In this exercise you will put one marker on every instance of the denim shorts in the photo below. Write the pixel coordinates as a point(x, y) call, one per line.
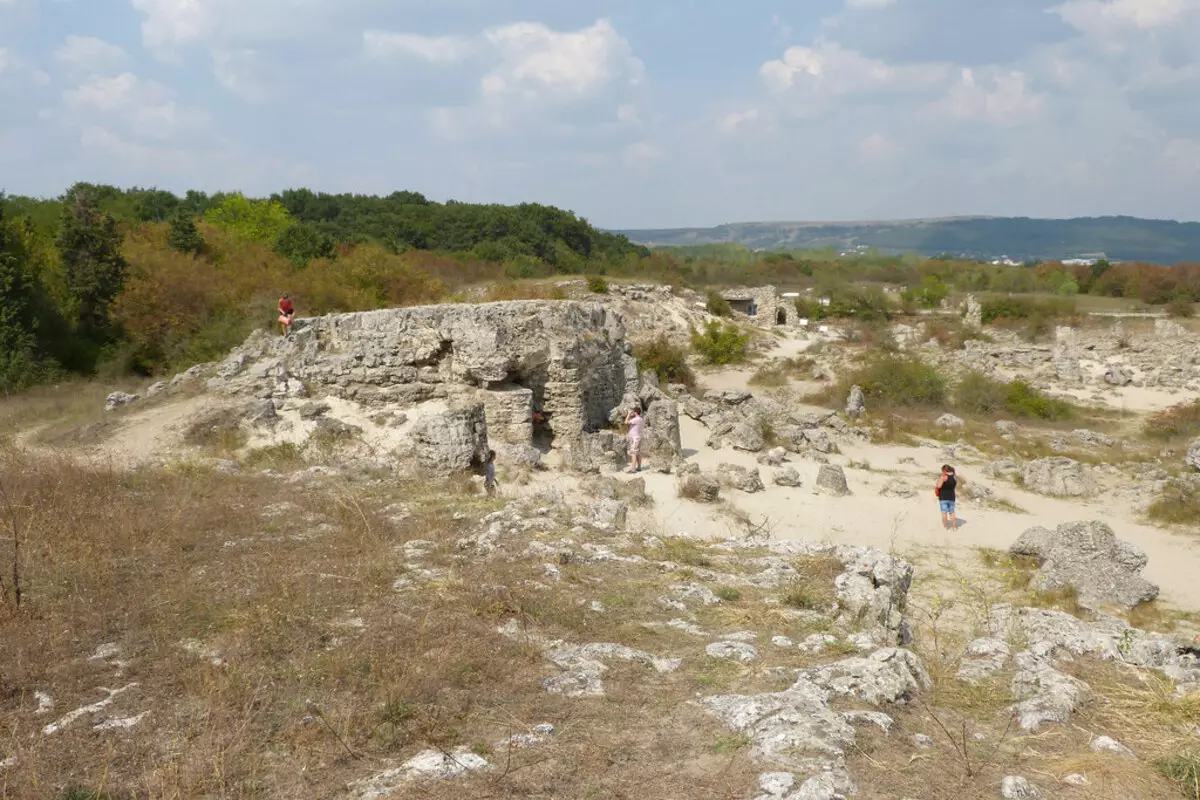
point(947, 506)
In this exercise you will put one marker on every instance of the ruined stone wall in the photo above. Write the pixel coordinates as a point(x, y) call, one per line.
point(771, 308)
point(568, 360)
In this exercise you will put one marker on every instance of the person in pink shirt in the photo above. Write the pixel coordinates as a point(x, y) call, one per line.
point(637, 426)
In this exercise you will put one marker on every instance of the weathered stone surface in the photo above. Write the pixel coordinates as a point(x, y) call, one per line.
point(950, 421)
point(745, 435)
point(819, 440)
point(773, 457)
point(1045, 694)
point(1116, 374)
point(1008, 427)
point(873, 590)
point(898, 488)
point(1004, 468)
point(118, 399)
point(1059, 477)
point(699, 486)
point(983, 658)
point(1192, 459)
point(891, 675)
point(973, 314)
point(856, 403)
point(732, 651)
point(570, 357)
point(1107, 744)
point(1088, 557)
point(787, 476)
point(736, 477)
point(1092, 438)
point(453, 441)
point(1015, 787)
point(661, 440)
point(427, 765)
point(832, 480)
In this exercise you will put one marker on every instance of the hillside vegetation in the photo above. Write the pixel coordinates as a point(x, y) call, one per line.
point(111, 281)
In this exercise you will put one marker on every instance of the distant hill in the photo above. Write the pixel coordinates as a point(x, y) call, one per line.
point(1020, 238)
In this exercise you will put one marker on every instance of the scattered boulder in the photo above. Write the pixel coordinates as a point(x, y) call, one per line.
point(1118, 375)
point(950, 421)
point(732, 651)
point(1045, 694)
point(746, 436)
point(118, 400)
point(1014, 787)
point(819, 440)
point(740, 478)
point(1107, 744)
point(1004, 468)
point(1088, 557)
point(1169, 329)
point(1007, 427)
point(1059, 477)
point(983, 658)
point(773, 457)
point(699, 486)
point(898, 488)
point(451, 441)
point(856, 403)
point(891, 675)
point(156, 389)
point(1192, 459)
point(787, 476)
point(1092, 438)
point(832, 480)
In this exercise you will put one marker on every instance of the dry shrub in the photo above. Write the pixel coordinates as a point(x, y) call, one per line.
point(523, 290)
point(1181, 421)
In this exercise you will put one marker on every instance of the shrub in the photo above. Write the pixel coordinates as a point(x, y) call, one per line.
point(776, 373)
point(900, 382)
point(720, 343)
point(1183, 768)
point(929, 294)
point(718, 306)
point(666, 360)
point(809, 309)
point(1178, 421)
point(1023, 400)
point(1010, 309)
point(859, 302)
point(596, 284)
point(976, 393)
point(1181, 307)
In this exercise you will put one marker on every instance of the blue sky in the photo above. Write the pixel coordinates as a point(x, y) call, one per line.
point(633, 114)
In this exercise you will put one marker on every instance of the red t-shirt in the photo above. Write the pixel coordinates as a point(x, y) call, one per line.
point(285, 305)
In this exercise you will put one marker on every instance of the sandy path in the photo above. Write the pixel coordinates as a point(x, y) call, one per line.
point(912, 526)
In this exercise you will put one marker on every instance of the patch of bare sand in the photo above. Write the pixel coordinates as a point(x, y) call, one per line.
point(910, 525)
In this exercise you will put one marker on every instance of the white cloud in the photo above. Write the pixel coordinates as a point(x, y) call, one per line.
point(830, 69)
point(16, 71)
point(868, 4)
point(87, 55)
point(1004, 97)
point(173, 23)
point(628, 115)
point(433, 49)
point(540, 63)
point(642, 153)
point(145, 108)
point(731, 123)
point(1104, 17)
point(877, 147)
point(245, 73)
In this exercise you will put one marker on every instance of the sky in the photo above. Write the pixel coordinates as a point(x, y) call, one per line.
point(632, 113)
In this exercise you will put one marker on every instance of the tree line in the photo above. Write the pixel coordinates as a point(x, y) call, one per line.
point(114, 281)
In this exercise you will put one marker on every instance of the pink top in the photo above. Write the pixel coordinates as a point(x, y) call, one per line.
point(636, 426)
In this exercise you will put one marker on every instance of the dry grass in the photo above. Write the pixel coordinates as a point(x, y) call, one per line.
point(777, 373)
point(327, 674)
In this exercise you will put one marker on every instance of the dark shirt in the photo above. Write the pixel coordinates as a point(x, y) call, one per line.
point(946, 492)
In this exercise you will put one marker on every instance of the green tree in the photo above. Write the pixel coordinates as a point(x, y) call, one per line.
point(184, 236)
point(18, 323)
point(253, 220)
point(302, 242)
point(89, 247)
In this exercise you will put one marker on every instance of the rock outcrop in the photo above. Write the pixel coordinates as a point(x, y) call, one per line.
point(1088, 557)
point(1059, 477)
point(832, 480)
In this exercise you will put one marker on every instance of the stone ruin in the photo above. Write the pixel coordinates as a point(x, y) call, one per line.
point(763, 305)
point(460, 378)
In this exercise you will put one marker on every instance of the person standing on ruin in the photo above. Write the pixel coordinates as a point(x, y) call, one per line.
point(944, 490)
point(287, 311)
point(637, 426)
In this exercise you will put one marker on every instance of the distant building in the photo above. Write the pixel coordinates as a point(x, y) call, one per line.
point(763, 305)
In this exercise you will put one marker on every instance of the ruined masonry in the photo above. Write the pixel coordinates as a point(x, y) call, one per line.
point(545, 373)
